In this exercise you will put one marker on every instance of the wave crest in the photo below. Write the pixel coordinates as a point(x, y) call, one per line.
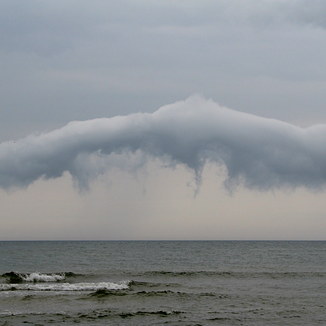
point(36, 277)
point(66, 286)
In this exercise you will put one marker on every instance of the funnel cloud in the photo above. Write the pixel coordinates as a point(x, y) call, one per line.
point(256, 152)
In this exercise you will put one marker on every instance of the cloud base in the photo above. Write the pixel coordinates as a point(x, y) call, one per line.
point(256, 152)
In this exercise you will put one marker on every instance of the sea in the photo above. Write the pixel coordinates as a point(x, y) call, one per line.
point(162, 283)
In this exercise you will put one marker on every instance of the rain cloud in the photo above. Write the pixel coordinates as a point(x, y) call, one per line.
point(257, 152)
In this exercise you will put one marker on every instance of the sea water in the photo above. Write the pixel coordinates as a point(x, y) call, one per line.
point(163, 283)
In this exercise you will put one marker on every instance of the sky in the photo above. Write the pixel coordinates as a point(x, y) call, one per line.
point(163, 119)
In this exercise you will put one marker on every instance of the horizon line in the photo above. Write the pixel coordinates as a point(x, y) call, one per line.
point(162, 240)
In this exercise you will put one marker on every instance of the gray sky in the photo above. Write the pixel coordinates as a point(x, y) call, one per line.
point(62, 61)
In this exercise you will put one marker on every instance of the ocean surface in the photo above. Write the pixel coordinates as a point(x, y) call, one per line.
point(163, 283)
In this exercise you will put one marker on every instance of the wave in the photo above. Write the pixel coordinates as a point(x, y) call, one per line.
point(188, 273)
point(152, 284)
point(66, 286)
point(106, 293)
point(101, 293)
point(229, 274)
point(93, 315)
point(166, 278)
point(161, 313)
point(35, 277)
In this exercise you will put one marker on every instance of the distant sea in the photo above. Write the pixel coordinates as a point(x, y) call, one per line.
point(163, 283)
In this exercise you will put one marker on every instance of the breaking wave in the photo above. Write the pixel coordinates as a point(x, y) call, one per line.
point(35, 277)
point(66, 286)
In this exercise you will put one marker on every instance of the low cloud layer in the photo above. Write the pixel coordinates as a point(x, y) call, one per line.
point(256, 152)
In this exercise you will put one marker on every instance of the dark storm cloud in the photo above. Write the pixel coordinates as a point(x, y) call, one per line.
point(257, 152)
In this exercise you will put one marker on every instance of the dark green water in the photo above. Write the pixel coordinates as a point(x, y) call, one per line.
point(163, 283)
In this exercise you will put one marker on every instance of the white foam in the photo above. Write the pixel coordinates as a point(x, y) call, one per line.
point(67, 286)
point(38, 277)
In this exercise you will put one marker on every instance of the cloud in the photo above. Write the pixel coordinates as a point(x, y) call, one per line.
point(49, 29)
point(74, 60)
point(257, 152)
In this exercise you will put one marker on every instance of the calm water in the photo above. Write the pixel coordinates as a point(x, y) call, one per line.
point(163, 283)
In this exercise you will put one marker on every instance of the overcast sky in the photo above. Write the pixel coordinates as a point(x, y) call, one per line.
point(218, 140)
